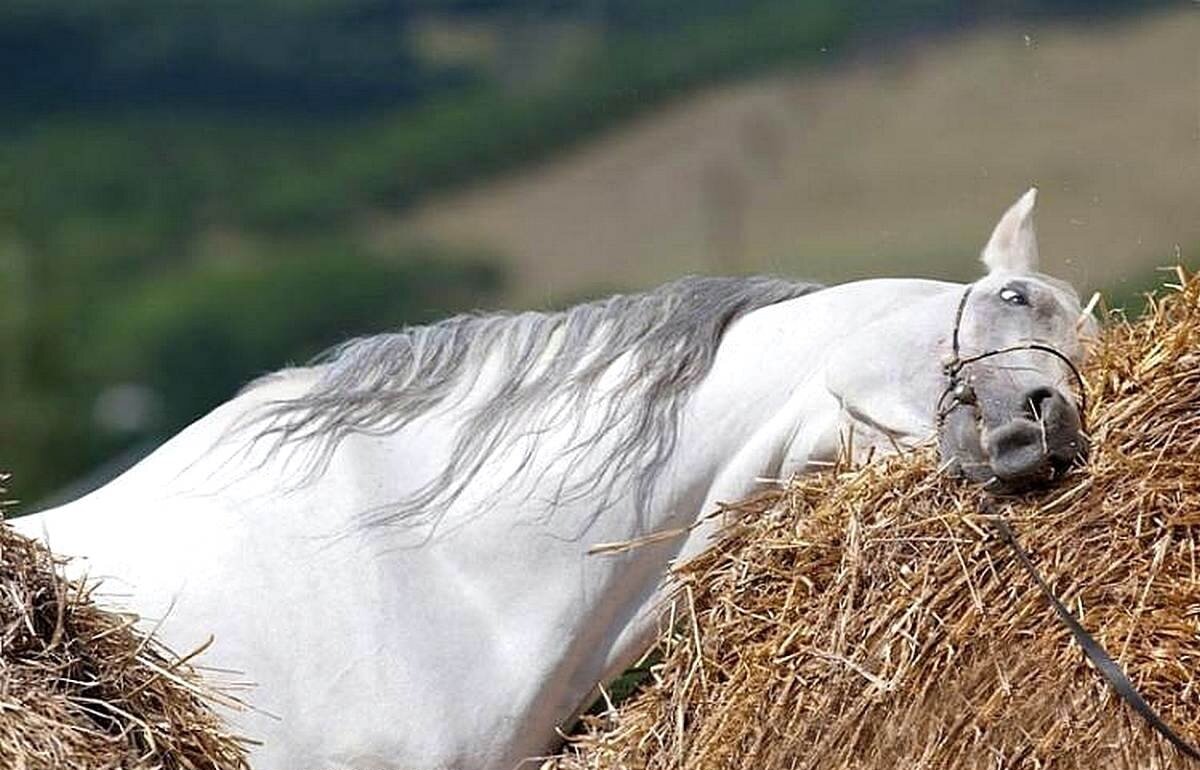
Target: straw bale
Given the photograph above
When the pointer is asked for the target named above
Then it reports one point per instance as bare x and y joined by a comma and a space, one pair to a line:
80, 688
873, 619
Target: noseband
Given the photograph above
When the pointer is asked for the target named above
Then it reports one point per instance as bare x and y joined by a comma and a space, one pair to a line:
959, 392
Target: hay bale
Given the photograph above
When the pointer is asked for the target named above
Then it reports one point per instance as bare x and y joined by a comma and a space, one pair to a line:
873, 619
80, 688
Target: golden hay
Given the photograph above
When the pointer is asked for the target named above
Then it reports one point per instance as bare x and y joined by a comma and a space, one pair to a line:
872, 619
81, 689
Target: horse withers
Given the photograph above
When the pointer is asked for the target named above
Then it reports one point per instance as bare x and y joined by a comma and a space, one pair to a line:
397, 543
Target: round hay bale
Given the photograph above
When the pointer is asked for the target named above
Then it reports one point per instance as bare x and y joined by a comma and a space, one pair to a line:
81, 688
874, 618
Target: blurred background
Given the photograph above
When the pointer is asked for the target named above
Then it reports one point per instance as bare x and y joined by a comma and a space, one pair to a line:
192, 194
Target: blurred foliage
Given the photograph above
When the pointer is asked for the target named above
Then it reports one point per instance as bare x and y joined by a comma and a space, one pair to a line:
309, 55
195, 335
184, 186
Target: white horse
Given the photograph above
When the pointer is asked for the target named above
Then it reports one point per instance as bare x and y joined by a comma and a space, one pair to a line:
397, 545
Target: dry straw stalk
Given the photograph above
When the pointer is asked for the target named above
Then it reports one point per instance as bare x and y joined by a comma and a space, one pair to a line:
81, 689
871, 619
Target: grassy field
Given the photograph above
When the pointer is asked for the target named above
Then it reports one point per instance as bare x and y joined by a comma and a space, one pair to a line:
897, 164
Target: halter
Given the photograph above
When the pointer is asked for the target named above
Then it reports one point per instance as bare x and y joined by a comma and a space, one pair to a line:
959, 392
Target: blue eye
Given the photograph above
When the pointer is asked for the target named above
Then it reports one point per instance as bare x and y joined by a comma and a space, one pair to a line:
1013, 297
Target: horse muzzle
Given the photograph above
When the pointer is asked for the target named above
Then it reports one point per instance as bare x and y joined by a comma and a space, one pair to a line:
1035, 445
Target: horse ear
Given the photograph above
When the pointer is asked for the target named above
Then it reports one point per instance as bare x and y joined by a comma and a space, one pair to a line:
1013, 247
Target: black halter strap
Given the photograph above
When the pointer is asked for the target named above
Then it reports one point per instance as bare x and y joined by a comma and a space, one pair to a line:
958, 316
959, 393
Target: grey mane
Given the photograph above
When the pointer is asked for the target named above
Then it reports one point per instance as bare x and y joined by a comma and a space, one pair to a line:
549, 367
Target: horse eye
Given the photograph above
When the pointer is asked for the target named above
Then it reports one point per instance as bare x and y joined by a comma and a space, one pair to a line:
1013, 297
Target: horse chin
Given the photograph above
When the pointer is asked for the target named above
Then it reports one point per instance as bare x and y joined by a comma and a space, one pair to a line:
960, 446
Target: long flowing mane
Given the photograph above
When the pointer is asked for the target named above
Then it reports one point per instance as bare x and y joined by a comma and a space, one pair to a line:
542, 369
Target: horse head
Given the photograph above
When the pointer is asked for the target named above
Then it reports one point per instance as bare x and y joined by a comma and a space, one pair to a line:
1012, 410
991, 368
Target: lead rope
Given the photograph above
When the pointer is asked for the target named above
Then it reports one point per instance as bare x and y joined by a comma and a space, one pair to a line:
1095, 652
1092, 649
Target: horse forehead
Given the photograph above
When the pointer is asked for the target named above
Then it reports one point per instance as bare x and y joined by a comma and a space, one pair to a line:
1062, 325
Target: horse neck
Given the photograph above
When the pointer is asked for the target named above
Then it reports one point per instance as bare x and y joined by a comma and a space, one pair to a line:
770, 381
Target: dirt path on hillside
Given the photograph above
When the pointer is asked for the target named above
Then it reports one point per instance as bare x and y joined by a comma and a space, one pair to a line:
896, 167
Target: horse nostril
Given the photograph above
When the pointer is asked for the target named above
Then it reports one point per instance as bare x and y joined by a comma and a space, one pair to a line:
1036, 400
